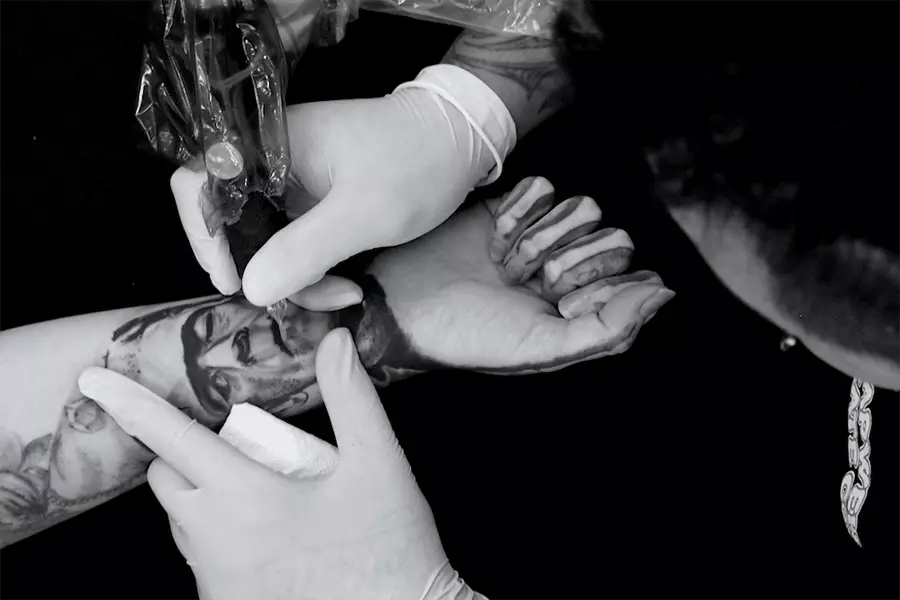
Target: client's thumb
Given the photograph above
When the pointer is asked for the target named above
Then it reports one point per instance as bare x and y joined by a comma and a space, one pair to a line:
301, 253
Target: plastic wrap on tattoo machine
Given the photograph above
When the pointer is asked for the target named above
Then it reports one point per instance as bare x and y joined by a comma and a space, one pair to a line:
514, 17
211, 94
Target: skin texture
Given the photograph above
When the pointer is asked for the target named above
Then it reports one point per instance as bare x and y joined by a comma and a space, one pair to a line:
730, 250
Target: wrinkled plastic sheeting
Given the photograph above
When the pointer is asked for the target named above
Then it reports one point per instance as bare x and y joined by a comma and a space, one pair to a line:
513, 17
211, 94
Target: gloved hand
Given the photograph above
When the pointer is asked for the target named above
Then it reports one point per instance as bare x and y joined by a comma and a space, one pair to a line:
372, 173
363, 531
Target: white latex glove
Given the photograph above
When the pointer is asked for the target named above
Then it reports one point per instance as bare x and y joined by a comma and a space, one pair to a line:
364, 531
375, 172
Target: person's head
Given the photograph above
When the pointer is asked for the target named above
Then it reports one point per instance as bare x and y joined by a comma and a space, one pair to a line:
211, 355
772, 139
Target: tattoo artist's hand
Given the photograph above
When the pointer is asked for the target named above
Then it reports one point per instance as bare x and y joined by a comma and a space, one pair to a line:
362, 531
371, 173
519, 285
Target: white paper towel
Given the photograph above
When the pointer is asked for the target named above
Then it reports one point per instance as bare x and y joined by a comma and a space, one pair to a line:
274, 443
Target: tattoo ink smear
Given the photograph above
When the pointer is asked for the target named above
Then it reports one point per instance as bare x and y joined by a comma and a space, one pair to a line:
859, 427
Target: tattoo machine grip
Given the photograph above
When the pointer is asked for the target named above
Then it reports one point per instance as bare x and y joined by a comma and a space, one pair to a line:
260, 220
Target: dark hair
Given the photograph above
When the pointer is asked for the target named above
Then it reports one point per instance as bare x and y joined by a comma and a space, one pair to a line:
786, 115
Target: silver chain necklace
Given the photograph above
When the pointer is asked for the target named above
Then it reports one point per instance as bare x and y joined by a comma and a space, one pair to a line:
859, 426
855, 484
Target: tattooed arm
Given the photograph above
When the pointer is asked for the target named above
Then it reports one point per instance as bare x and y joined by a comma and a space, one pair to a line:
60, 454
522, 70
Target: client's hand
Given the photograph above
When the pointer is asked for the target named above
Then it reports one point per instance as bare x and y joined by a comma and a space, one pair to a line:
518, 285
361, 531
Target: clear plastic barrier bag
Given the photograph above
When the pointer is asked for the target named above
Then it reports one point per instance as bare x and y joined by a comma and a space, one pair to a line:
514, 17
211, 95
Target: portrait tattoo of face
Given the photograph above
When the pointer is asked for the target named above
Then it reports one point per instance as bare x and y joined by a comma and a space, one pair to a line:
210, 355
234, 353
203, 357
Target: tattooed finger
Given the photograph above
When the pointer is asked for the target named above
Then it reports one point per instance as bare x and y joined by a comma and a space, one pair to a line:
592, 298
567, 222
602, 254
531, 199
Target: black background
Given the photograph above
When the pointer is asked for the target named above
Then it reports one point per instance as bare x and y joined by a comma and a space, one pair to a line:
702, 463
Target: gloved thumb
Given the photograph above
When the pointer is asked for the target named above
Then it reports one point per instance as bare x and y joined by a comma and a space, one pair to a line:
301, 253
212, 252
327, 294
361, 427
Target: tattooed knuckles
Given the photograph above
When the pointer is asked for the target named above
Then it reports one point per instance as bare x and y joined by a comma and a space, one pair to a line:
526, 203
530, 236
568, 221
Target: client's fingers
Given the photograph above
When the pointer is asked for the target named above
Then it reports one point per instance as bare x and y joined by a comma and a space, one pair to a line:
614, 327
570, 220
531, 199
212, 252
593, 297
601, 254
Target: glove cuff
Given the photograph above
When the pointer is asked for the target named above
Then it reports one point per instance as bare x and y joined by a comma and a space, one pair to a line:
446, 584
478, 103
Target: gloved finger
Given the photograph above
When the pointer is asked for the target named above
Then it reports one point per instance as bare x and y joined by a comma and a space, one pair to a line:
201, 456
361, 427
329, 293
212, 252
171, 489
532, 198
301, 253
600, 254
570, 220
180, 538
593, 297
182, 542
297, 200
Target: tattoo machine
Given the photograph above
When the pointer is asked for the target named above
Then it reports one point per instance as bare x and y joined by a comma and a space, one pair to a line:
212, 94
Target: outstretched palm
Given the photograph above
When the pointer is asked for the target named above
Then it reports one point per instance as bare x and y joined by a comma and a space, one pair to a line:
517, 285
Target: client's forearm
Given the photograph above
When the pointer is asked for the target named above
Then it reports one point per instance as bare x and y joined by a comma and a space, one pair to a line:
60, 454
522, 70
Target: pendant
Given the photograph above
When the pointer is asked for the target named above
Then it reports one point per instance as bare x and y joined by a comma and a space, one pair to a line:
855, 485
